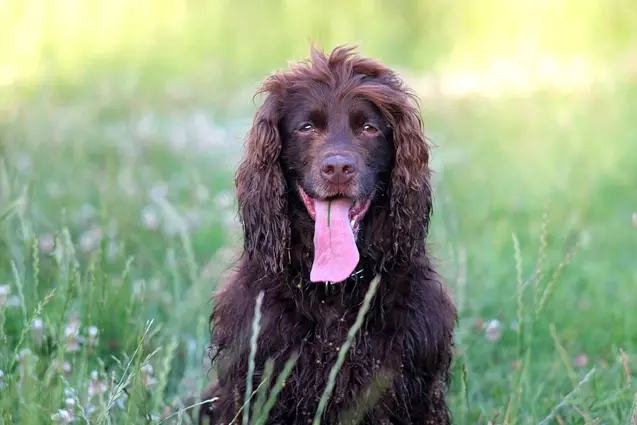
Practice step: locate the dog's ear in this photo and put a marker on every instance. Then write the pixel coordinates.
(410, 186)
(261, 193)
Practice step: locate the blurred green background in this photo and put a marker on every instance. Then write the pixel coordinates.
(121, 124)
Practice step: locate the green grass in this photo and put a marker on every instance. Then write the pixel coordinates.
(117, 216)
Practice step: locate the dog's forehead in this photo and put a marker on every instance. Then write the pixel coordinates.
(303, 102)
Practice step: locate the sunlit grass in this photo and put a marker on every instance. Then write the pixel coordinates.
(50, 40)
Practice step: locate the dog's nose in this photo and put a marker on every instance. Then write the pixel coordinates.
(338, 168)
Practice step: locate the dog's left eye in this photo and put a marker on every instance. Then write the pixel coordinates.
(369, 129)
(306, 127)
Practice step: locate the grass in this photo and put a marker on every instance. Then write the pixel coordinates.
(117, 220)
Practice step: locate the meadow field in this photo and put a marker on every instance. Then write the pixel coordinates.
(120, 128)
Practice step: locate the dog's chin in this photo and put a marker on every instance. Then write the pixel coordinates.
(357, 211)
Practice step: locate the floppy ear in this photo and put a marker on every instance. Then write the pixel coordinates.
(261, 191)
(410, 188)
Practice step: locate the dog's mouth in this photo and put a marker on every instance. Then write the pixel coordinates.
(336, 222)
(357, 210)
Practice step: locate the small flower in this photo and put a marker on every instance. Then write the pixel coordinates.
(584, 238)
(146, 372)
(173, 226)
(90, 239)
(37, 327)
(62, 416)
(65, 367)
(150, 218)
(193, 219)
(85, 213)
(493, 330)
(635, 219)
(138, 287)
(112, 249)
(121, 401)
(581, 360)
(13, 301)
(5, 293)
(159, 191)
(46, 243)
(72, 334)
(96, 386)
(92, 336)
(69, 403)
(26, 363)
(224, 200)
(23, 355)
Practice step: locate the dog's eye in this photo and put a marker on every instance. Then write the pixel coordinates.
(306, 127)
(369, 129)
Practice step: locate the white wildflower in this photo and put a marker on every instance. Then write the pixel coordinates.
(224, 199)
(96, 386)
(635, 219)
(5, 293)
(121, 401)
(146, 372)
(37, 327)
(69, 403)
(493, 330)
(62, 416)
(138, 287)
(65, 368)
(85, 213)
(172, 226)
(193, 218)
(72, 334)
(584, 238)
(150, 218)
(24, 354)
(90, 239)
(14, 301)
(92, 335)
(112, 249)
(159, 191)
(46, 243)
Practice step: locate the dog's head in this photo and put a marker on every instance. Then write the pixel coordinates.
(338, 132)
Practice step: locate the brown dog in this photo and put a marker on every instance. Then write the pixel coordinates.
(333, 190)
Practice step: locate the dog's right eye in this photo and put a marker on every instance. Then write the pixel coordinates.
(306, 127)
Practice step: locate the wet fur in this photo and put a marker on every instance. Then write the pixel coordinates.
(397, 370)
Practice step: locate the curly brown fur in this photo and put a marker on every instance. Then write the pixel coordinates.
(397, 369)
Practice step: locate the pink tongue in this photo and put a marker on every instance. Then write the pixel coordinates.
(335, 252)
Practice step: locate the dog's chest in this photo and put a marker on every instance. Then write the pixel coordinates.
(370, 362)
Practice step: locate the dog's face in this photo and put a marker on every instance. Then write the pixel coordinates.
(334, 134)
(335, 146)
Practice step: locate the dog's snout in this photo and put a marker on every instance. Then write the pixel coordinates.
(338, 168)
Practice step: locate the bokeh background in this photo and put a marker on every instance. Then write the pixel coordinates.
(121, 124)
